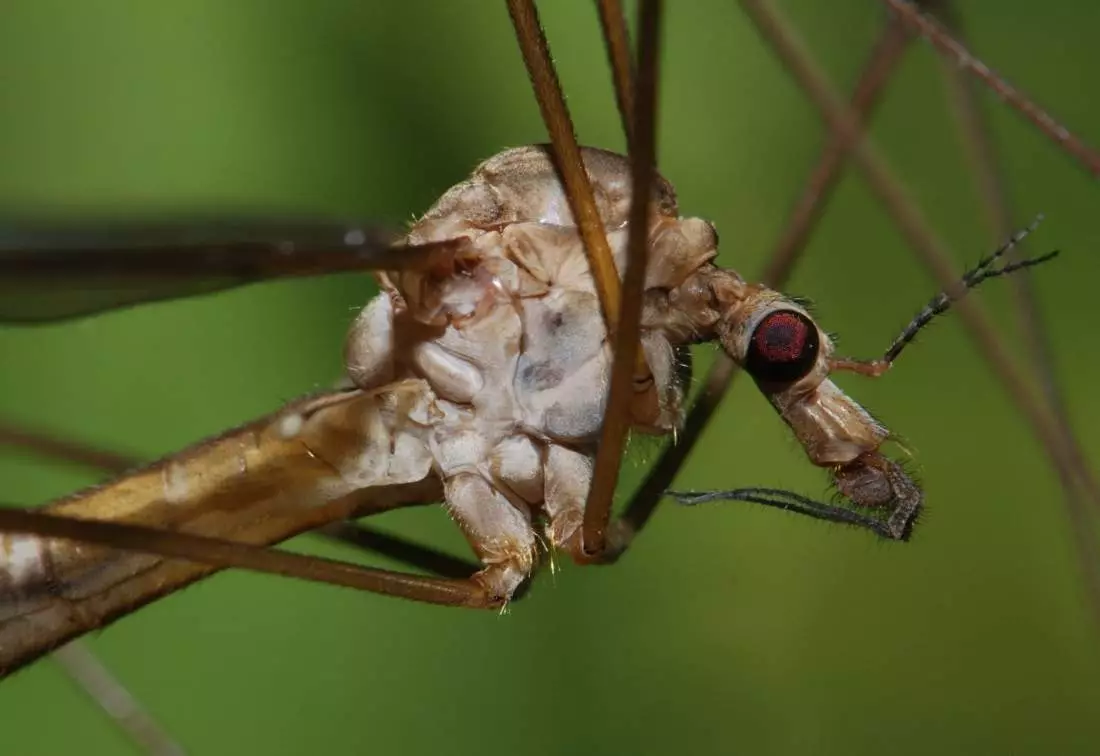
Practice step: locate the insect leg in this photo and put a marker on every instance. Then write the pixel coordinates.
(51, 447)
(643, 158)
(500, 532)
(617, 41)
(974, 129)
(403, 550)
(119, 704)
(567, 155)
(956, 52)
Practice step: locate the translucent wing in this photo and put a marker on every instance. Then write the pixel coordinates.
(51, 272)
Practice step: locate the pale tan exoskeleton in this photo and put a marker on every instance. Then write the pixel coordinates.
(475, 373)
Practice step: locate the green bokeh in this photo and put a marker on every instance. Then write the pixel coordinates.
(729, 629)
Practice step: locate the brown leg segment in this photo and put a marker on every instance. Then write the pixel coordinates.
(617, 41)
(399, 549)
(226, 554)
(643, 154)
(567, 155)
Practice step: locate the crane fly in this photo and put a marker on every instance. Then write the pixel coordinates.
(472, 372)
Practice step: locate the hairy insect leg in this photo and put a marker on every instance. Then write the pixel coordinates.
(617, 41)
(621, 310)
(499, 531)
(567, 155)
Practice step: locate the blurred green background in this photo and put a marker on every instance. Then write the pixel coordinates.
(730, 629)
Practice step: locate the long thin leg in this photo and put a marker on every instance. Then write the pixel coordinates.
(974, 128)
(224, 554)
(617, 307)
(567, 155)
(97, 681)
(1087, 157)
(399, 549)
(872, 82)
(823, 179)
(23, 647)
(51, 447)
(617, 41)
(597, 510)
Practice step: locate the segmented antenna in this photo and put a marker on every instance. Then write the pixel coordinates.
(942, 302)
(983, 271)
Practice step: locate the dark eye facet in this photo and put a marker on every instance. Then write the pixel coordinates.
(783, 348)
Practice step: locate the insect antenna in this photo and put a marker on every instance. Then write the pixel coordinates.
(898, 526)
(941, 303)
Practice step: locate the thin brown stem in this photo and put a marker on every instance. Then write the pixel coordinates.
(809, 208)
(567, 156)
(399, 549)
(223, 554)
(617, 41)
(977, 141)
(960, 56)
(56, 448)
(643, 158)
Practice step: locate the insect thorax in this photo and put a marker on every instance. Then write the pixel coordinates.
(512, 340)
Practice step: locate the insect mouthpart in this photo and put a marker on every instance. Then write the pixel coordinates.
(873, 481)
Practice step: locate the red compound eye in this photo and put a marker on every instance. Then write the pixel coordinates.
(783, 347)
